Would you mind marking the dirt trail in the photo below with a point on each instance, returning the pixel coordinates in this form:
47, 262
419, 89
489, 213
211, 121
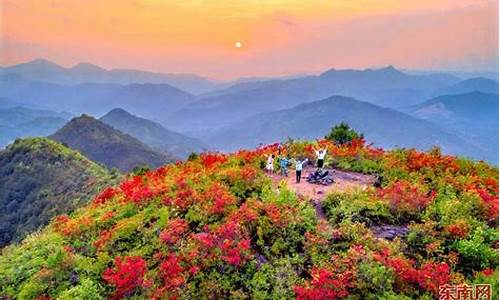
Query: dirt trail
344, 181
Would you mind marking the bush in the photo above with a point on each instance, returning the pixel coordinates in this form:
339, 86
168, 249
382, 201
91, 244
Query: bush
476, 253
358, 207
86, 290
342, 134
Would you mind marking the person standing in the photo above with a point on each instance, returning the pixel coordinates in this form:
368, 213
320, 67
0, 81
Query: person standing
270, 164
298, 169
320, 156
283, 166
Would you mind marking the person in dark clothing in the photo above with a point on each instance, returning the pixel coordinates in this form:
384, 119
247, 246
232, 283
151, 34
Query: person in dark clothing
320, 155
298, 169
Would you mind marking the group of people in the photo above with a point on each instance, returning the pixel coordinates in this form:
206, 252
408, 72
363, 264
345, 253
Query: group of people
284, 162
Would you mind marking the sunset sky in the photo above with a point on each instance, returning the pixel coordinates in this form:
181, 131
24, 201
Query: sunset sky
227, 39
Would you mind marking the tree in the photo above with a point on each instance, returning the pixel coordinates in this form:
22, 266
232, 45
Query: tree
342, 134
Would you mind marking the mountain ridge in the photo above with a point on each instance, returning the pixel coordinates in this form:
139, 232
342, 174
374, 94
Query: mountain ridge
40, 178
106, 145
311, 120
152, 133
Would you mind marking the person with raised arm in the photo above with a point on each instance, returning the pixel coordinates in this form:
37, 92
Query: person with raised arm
284, 165
298, 169
320, 157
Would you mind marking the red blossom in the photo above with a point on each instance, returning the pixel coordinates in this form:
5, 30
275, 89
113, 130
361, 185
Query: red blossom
458, 229
490, 201
429, 277
211, 160
104, 237
402, 195
136, 190
220, 198
126, 276
106, 195
174, 231
325, 284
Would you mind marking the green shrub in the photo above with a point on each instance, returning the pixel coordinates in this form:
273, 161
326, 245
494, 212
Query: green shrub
476, 253
85, 290
342, 134
356, 207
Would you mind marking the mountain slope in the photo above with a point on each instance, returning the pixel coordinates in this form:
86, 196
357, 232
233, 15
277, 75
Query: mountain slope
17, 122
152, 134
46, 71
477, 84
385, 127
39, 179
218, 227
150, 100
104, 144
474, 115
385, 87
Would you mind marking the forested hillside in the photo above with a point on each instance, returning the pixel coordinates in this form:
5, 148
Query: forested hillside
39, 179
216, 227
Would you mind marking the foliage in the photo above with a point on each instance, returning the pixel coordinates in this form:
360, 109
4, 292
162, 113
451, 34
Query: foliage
342, 134
216, 227
39, 179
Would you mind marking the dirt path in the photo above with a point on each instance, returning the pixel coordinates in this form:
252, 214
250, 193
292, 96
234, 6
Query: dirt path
344, 181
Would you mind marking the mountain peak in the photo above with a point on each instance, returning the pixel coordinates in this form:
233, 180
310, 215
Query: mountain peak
87, 67
41, 61
38, 63
390, 69
118, 112
107, 145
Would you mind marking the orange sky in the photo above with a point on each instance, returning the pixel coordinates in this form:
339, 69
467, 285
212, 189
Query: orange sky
277, 36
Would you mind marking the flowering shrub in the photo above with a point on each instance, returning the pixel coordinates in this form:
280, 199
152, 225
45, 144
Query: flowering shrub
405, 198
126, 276
105, 195
174, 231
324, 285
216, 227
429, 277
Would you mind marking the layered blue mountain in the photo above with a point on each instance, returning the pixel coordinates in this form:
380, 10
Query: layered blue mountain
17, 122
108, 146
46, 71
473, 116
384, 87
152, 133
477, 84
383, 126
152, 101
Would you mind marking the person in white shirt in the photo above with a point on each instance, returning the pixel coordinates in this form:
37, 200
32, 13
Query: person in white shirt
298, 169
320, 155
270, 164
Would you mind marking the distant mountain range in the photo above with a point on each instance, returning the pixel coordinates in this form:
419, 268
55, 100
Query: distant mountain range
150, 100
153, 105
152, 134
104, 144
382, 126
472, 115
46, 71
477, 84
384, 87
40, 179
16, 122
